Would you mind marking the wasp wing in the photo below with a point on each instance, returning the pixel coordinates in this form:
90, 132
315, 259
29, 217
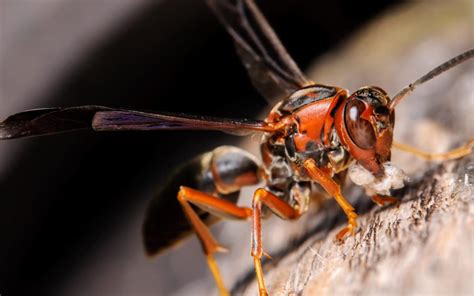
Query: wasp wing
58, 120
130, 120
48, 121
271, 69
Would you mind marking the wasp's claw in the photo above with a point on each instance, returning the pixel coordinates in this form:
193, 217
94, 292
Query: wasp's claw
349, 229
384, 200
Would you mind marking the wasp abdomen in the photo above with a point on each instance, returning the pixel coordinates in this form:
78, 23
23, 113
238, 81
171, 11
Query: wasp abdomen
221, 172
232, 168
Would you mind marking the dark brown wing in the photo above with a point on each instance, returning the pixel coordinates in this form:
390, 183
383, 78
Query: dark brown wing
129, 120
48, 121
271, 69
58, 120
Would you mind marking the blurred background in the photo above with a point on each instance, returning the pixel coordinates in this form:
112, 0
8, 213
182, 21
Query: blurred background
71, 205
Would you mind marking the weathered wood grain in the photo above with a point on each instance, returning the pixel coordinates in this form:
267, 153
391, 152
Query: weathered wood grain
424, 245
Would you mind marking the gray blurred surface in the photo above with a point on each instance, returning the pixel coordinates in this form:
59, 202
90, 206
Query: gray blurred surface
42, 41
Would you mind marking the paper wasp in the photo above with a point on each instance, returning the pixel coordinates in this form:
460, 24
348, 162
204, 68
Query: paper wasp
312, 135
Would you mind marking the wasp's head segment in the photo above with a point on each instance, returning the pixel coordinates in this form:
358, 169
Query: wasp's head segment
366, 127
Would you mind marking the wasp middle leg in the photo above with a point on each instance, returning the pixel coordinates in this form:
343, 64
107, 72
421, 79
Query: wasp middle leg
281, 209
209, 188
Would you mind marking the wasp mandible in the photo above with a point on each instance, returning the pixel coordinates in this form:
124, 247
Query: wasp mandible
314, 134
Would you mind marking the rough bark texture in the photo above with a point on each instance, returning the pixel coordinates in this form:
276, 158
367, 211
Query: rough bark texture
421, 246
424, 245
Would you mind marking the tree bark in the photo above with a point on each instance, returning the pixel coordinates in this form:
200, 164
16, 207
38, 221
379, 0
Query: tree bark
421, 246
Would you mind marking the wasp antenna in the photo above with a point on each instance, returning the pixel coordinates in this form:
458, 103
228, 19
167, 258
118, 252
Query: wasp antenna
430, 75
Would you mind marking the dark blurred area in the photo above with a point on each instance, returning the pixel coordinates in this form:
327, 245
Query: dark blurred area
63, 196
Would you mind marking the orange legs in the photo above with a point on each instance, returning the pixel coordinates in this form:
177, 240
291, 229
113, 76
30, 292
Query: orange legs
218, 207
223, 208
333, 189
382, 200
452, 154
280, 208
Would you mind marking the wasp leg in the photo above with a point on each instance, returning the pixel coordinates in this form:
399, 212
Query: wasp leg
280, 208
215, 205
452, 154
382, 200
331, 187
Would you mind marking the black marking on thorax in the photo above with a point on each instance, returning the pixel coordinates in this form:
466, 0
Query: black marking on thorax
302, 98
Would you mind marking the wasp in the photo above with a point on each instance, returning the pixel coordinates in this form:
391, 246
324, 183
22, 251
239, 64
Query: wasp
314, 134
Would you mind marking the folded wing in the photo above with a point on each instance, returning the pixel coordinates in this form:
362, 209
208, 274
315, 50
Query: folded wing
271, 69
47, 121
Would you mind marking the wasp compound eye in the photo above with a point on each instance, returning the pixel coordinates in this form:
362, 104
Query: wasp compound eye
360, 130
381, 111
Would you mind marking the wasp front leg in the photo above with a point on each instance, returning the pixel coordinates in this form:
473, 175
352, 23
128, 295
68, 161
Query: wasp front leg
458, 152
333, 189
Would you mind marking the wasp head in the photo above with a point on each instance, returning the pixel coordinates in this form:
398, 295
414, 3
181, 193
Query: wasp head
366, 127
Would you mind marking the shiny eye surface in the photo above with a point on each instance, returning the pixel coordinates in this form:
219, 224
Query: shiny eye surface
360, 130
381, 111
